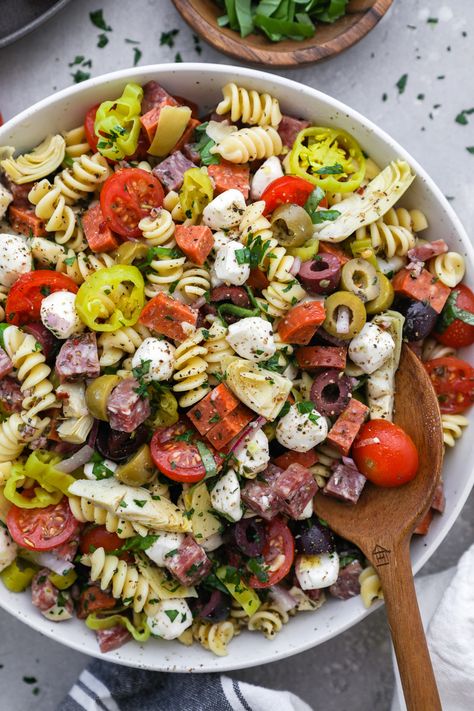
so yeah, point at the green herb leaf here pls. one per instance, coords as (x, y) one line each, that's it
(207, 459)
(136, 544)
(324, 216)
(137, 55)
(172, 614)
(102, 40)
(335, 169)
(461, 118)
(401, 83)
(167, 38)
(80, 76)
(97, 19)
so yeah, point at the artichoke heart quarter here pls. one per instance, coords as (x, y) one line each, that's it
(263, 391)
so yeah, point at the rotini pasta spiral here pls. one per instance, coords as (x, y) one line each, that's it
(214, 636)
(113, 346)
(126, 583)
(32, 371)
(16, 432)
(327, 458)
(191, 370)
(392, 240)
(59, 218)
(76, 142)
(249, 106)
(257, 235)
(449, 268)
(238, 615)
(164, 275)
(158, 229)
(249, 144)
(83, 177)
(77, 266)
(432, 349)
(217, 347)
(3, 300)
(413, 220)
(84, 511)
(370, 586)
(453, 428)
(194, 282)
(269, 619)
(40, 162)
(278, 297)
(172, 204)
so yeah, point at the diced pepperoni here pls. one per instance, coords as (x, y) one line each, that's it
(313, 357)
(112, 638)
(125, 408)
(169, 317)
(260, 495)
(219, 403)
(230, 175)
(421, 287)
(346, 483)
(93, 599)
(347, 584)
(289, 128)
(187, 135)
(19, 192)
(306, 459)
(295, 487)
(439, 499)
(423, 252)
(301, 322)
(78, 358)
(346, 428)
(99, 236)
(189, 563)
(257, 279)
(196, 241)
(11, 396)
(24, 220)
(154, 95)
(43, 593)
(326, 248)
(232, 425)
(191, 152)
(170, 172)
(150, 119)
(6, 366)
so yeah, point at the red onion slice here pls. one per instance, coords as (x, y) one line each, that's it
(282, 597)
(57, 565)
(295, 267)
(77, 460)
(249, 430)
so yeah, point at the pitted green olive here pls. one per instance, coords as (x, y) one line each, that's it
(384, 300)
(360, 277)
(345, 315)
(291, 225)
(97, 395)
(166, 412)
(138, 470)
(130, 252)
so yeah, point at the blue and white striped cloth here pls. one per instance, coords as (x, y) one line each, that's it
(109, 687)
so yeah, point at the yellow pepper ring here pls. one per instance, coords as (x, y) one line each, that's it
(105, 301)
(196, 193)
(329, 158)
(117, 123)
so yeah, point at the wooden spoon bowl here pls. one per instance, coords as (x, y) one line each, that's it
(382, 522)
(329, 39)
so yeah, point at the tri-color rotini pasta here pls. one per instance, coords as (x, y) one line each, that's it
(199, 331)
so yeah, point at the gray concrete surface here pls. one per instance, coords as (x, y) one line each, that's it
(429, 41)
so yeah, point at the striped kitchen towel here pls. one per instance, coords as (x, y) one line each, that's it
(109, 687)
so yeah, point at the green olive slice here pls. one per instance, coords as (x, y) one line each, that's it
(291, 225)
(360, 277)
(97, 395)
(345, 315)
(138, 470)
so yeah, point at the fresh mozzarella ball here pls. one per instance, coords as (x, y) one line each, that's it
(301, 431)
(171, 618)
(225, 496)
(59, 612)
(252, 338)
(371, 348)
(59, 315)
(220, 239)
(160, 355)
(5, 199)
(226, 266)
(165, 543)
(269, 171)
(225, 211)
(8, 548)
(254, 455)
(314, 572)
(307, 511)
(15, 258)
(98, 470)
(212, 543)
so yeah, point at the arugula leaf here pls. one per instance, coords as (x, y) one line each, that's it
(97, 19)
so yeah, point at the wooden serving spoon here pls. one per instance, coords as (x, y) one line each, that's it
(382, 522)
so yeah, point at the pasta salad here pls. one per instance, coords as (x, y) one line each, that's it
(201, 323)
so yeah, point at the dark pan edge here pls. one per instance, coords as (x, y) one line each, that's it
(14, 36)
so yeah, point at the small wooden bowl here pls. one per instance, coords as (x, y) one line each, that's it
(328, 41)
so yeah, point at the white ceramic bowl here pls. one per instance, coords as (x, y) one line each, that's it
(202, 83)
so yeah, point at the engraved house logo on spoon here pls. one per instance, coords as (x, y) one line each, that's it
(381, 555)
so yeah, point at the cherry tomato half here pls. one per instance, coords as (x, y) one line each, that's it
(42, 529)
(287, 189)
(127, 196)
(385, 454)
(89, 122)
(176, 455)
(453, 381)
(25, 297)
(279, 551)
(99, 537)
(452, 330)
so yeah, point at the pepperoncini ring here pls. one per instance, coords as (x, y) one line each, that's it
(40, 466)
(111, 298)
(329, 158)
(140, 633)
(196, 193)
(117, 123)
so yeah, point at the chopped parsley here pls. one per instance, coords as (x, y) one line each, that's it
(139, 372)
(307, 408)
(401, 83)
(204, 145)
(137, 55)
(167, 38)
(172, 614)
(136, 544)
(185, 437)
(335, 169)
(80, 76)
(45, 290)
(99, 469)
(258, 568)
(470, 149)
(177, 57)
(461, 118)
(102, 40)
(140, 502)
(70, 260)
(97, 19)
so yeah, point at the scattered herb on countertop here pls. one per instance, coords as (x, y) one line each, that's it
(131, 41)
(420, 97)
(78, 59)
(197, 44)
(279, 19)
(401, 83)
(178, 57)
(137, 55)
(30, 679)
(80, 76)
(470, 149)
(102, 40)
(97, 19)
(432, 20)
(461, 118)
(167, 38)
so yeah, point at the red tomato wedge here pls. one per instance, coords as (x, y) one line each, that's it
(127, 196)
(279, 542)
(453, 381)
(175, 453)
(27, 293)
(99, 537)
(385, 454)
(287, 189)
(89, 122)
(456, 325)
(42, 529)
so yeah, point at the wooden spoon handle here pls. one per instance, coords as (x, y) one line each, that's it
(408, 636)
